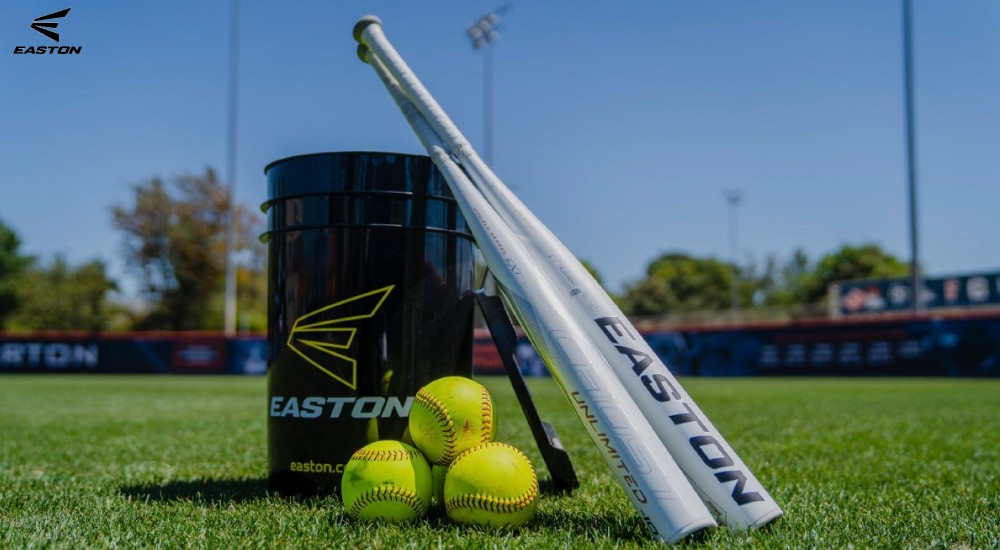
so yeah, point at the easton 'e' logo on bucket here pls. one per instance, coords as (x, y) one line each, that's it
(323, 337)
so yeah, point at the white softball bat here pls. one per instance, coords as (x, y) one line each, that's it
(657, 488)
(723, 479)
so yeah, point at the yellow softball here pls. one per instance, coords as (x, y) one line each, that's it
(492, 485)
(386, 480)
(450, 415)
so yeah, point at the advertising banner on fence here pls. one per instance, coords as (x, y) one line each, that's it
(893, 295)
(937, 347)
(944, 347)
(165, 353)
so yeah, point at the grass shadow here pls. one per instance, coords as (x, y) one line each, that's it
(608, 526)
(547, 486)
(202, 491)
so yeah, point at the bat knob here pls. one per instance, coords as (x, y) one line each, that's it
(363, 52)
(359, 27)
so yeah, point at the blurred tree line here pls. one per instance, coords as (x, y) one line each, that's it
(174, 241)
(677, 282)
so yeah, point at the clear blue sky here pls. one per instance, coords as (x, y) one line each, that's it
(618, 123)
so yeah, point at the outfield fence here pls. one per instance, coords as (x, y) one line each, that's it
(957, 343)
(963, 344)
(133, 352)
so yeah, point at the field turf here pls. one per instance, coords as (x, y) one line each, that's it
(159, 461)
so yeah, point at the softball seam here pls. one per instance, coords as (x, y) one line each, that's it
(388, 493)
(437, 408)
(486, 405)
(376, 455)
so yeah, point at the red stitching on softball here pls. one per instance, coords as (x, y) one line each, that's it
(374, 455)
(437, 408)
(486, 403)
(388, 493)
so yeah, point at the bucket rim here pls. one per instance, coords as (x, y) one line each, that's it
(265, 237)
(330, 153)
(266, 205)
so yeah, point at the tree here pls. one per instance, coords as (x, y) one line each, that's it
(780, 283)
(848, 262)
(677, 282)
(251, 281)
(12, 266)
(175, 240)
(59, 296)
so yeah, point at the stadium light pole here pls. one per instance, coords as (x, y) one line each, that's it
(483, 33)
(733, 198)
(234, 56)
(916, 284)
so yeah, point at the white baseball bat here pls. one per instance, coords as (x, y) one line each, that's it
(706, 457)
(668, 504)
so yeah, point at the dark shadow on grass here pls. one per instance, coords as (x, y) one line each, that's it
(202, 491)
(548, 487)
(593, 524)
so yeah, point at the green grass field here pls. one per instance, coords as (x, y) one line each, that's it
(157, 461)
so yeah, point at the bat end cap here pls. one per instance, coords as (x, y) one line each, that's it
(363, 52)
(362, 23)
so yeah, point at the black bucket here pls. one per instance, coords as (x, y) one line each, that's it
(371, 272)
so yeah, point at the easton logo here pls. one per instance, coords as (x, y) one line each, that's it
(46, 25)
(324, 337)
(711, 452)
